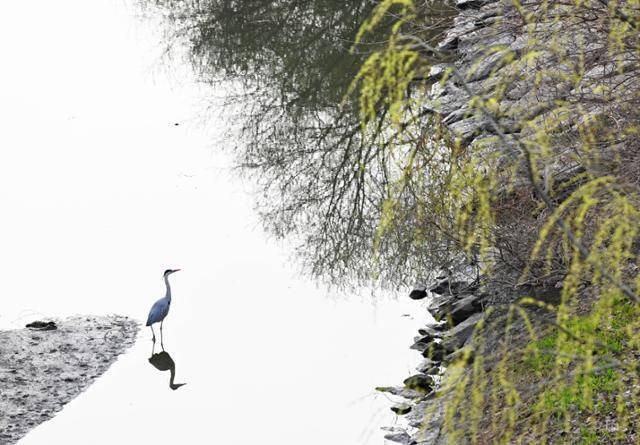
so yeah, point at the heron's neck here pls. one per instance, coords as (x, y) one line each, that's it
(166, 281)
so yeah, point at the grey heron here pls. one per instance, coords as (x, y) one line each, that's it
(160, 308)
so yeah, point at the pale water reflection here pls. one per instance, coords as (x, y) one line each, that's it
(100, 191)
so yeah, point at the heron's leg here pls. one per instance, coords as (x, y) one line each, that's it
(161, 343)
(154, 334)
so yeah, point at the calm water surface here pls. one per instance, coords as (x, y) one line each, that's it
(101, 192)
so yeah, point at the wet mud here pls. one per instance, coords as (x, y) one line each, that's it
(44, 367)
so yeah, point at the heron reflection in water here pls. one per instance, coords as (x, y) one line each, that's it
(163, 362)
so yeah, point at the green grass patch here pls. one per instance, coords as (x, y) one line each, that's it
(587, 344)
(540, 355)
(588, 436)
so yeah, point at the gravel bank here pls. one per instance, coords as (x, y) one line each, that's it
(42, 370)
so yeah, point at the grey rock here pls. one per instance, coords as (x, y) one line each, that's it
(398, 435)
(430, 426)
(435, 351)
(464, 4)
(401, 409)
(441, 307)
(418, 414)
(400, 391)
(419, 382)
(467, 129)
(424, 413)
(466, 22)
(428, 366)
(488, 64)
(42, 326)
(446, 99)
(440, 326)
(449, 43)
(456, 338)
(436, 72)
(476, 43)
(419, 292)
(456, 116)
(440, 300)
(455, 288)
(422, 342)
(460, 354)
(432, 330)
(436, 370)
(465, 308)
(457, 310)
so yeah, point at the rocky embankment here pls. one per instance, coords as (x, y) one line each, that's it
(459, 307)
(482, 34)
(47, 364)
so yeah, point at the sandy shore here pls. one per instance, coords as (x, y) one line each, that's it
(41, 371)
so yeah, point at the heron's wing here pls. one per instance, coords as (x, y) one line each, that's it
(157, 312)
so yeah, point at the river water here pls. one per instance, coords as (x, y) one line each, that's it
(101, 191)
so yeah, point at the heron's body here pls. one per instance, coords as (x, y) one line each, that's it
(160, 308)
